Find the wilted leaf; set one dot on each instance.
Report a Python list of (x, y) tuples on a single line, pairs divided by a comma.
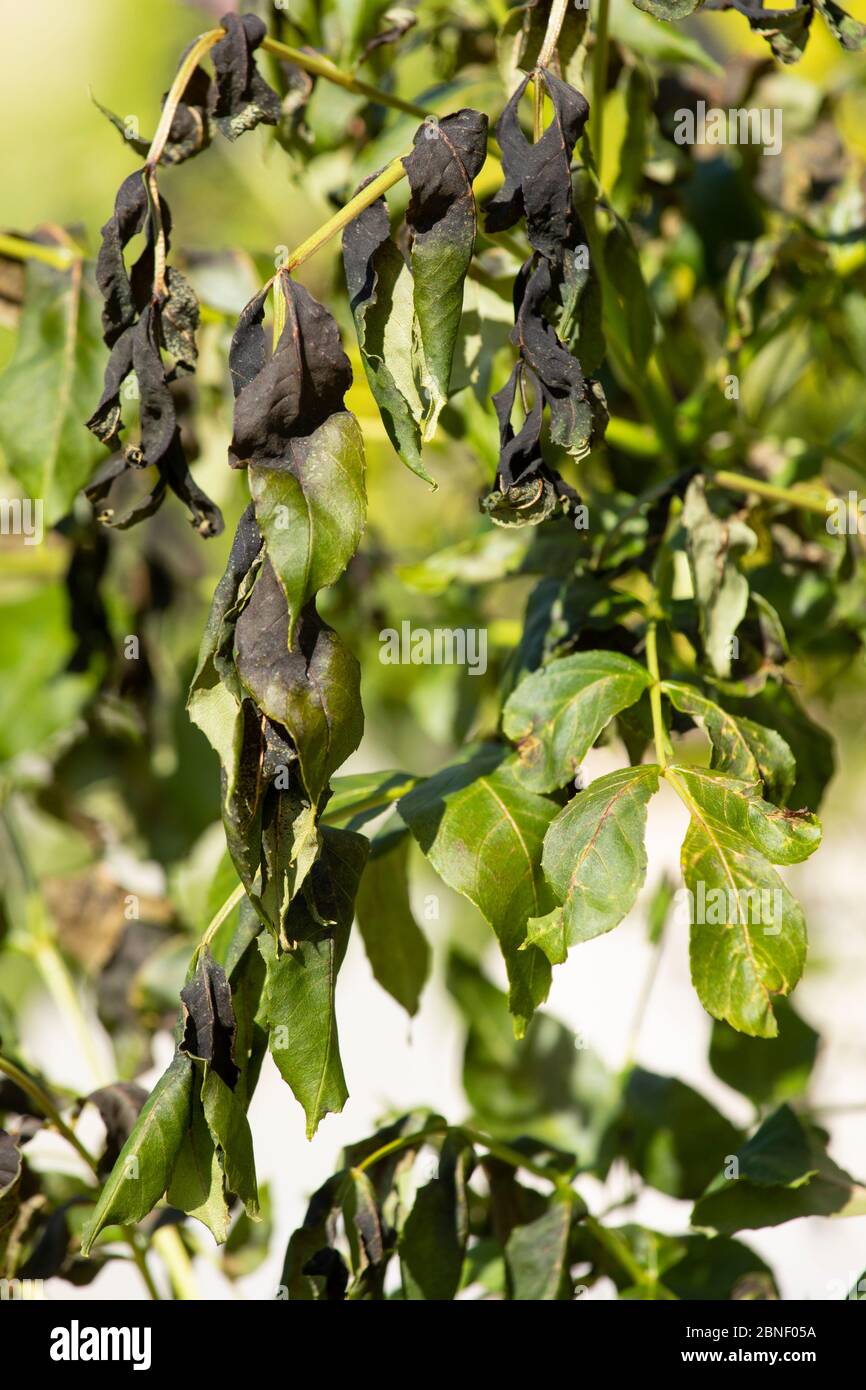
[(312, 691)]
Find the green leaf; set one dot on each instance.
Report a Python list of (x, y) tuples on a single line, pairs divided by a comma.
[(741, 747), (748, 936), (735, 806), (556, 714), (361, 796), (672, 1136), (197, 1183), (215, 692), (433, 1239), (721, 590), (669, 9), (491, 555), (783, 1172), (483, 832), (766, 1070), (652, 39), (144, 1167), (311, 507), (535, 1256), (594, 856), (49, 386), (812, 747), (397, 950), (300, 983), (228, 1124)]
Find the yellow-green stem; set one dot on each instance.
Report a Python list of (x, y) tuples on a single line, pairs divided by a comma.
[(173, 1253), (391, 174), (202, 45), (792, 497), (555, 20), (655, 694), (220, 916), (319, 66), (59, 257)]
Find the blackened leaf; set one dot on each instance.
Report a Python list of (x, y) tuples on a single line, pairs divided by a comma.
[(312, 691), (312, 1239), (243, 791), (536, 1256), (472, 819), (538, 176), (433, 1239), (300, 985), (379, 283), (106, 421), (120, 308), (179, 319), (145, 1164), (190, 128), (783, 1172), (311, 506), (556, 714), (205, 516), (577, 411), (197, 1182), (296, 389), (209, 1020), (397, 950), (215, 693), (446, 157), (242, 98), (49, 384), (248, 351), (594, 856), (766, 1070), (362, 1222), (119, 1106)]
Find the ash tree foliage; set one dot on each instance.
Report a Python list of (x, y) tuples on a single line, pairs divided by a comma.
[(617, 335)]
